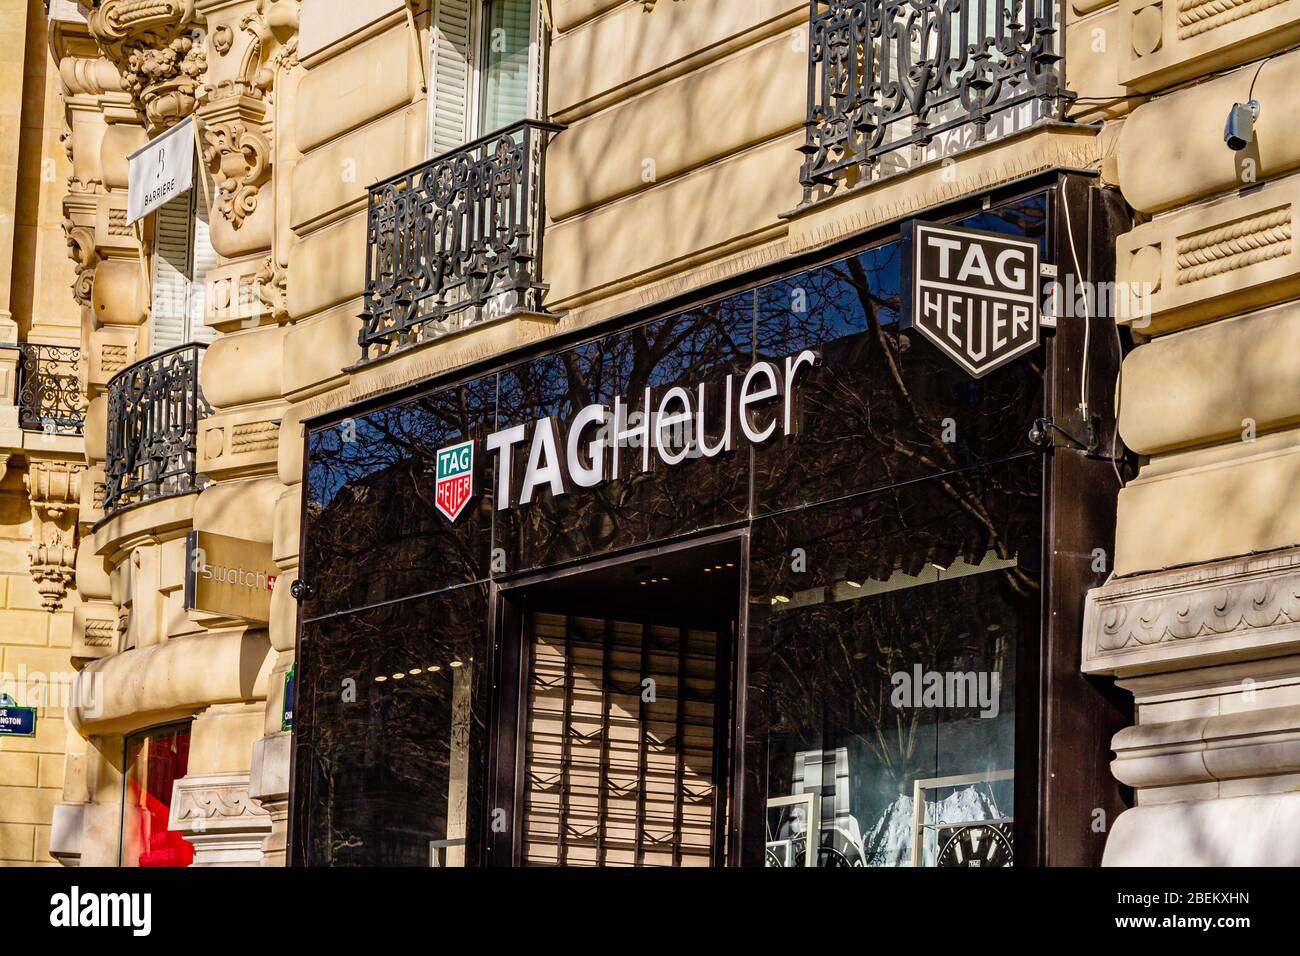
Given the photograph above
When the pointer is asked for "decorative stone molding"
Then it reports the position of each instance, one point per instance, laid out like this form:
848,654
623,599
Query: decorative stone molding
273,289
151,43
235,299
252,77
1230,610
1207,750
238,154
111,349
84,256
1165,41
217,815
54,489
1239,244
240,442
1223,258
94,629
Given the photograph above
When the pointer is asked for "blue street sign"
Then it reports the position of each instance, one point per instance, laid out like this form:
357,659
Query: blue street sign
16,721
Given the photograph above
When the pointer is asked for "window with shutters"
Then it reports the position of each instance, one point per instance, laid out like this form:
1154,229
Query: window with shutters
182,258
486,69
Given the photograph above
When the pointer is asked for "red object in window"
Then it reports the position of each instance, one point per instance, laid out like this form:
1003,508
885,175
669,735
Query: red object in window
154,762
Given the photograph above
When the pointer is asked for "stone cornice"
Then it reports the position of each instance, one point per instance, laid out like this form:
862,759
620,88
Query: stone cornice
1236,609
215,801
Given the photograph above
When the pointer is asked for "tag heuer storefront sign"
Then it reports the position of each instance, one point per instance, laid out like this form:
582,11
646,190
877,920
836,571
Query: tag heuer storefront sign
229,577
974,294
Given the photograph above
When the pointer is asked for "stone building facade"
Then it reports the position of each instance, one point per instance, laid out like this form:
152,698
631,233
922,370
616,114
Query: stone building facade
662,151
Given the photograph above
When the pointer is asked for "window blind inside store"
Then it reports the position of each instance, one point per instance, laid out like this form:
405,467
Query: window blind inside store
619,772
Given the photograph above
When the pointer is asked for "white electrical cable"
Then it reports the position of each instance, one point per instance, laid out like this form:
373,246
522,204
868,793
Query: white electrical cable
1083,373
1087,319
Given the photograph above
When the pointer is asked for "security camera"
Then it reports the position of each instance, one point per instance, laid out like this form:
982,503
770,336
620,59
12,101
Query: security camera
1240,128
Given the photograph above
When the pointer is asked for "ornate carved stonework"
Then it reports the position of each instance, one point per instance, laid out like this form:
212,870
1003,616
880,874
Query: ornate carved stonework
216,814
82,252
238,154
54,488
151,42
273,289
252,77
211,800
1228,610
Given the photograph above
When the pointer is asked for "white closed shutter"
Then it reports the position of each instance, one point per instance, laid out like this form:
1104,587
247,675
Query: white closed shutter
202,260
169,301
449,87
183,257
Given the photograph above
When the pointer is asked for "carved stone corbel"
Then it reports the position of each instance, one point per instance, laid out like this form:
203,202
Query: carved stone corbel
54,489
84,256
238,154
273,289
152,44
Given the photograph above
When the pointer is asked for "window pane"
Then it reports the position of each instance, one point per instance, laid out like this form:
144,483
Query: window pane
505,63
374,529
391,723
154,761
893,624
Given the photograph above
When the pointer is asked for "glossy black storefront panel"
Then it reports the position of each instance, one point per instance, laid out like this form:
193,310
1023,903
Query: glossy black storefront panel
890,626
884,405
390,737
897,530
374,531
639,504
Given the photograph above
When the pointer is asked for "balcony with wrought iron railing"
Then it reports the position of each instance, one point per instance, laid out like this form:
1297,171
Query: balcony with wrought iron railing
894,84
456,241
50,400
153,413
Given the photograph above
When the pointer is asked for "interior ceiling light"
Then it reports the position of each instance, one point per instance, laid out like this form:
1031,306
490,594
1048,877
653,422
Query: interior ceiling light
456,663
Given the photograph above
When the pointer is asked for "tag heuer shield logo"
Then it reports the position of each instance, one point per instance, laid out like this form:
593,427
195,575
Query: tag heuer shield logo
975,294
455,479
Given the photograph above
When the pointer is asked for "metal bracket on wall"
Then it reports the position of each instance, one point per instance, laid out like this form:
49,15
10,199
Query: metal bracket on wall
1046,433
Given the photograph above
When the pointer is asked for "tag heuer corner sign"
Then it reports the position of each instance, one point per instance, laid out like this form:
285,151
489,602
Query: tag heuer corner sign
974,294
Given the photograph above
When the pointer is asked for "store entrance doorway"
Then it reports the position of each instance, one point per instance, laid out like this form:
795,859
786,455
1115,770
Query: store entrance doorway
626,710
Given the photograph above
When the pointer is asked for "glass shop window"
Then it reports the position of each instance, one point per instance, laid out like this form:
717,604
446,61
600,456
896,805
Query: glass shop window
155,760
895,623
392,707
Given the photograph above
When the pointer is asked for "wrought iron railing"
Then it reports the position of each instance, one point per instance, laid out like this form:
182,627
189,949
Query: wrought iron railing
892,83
49,389
154,407
456,240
